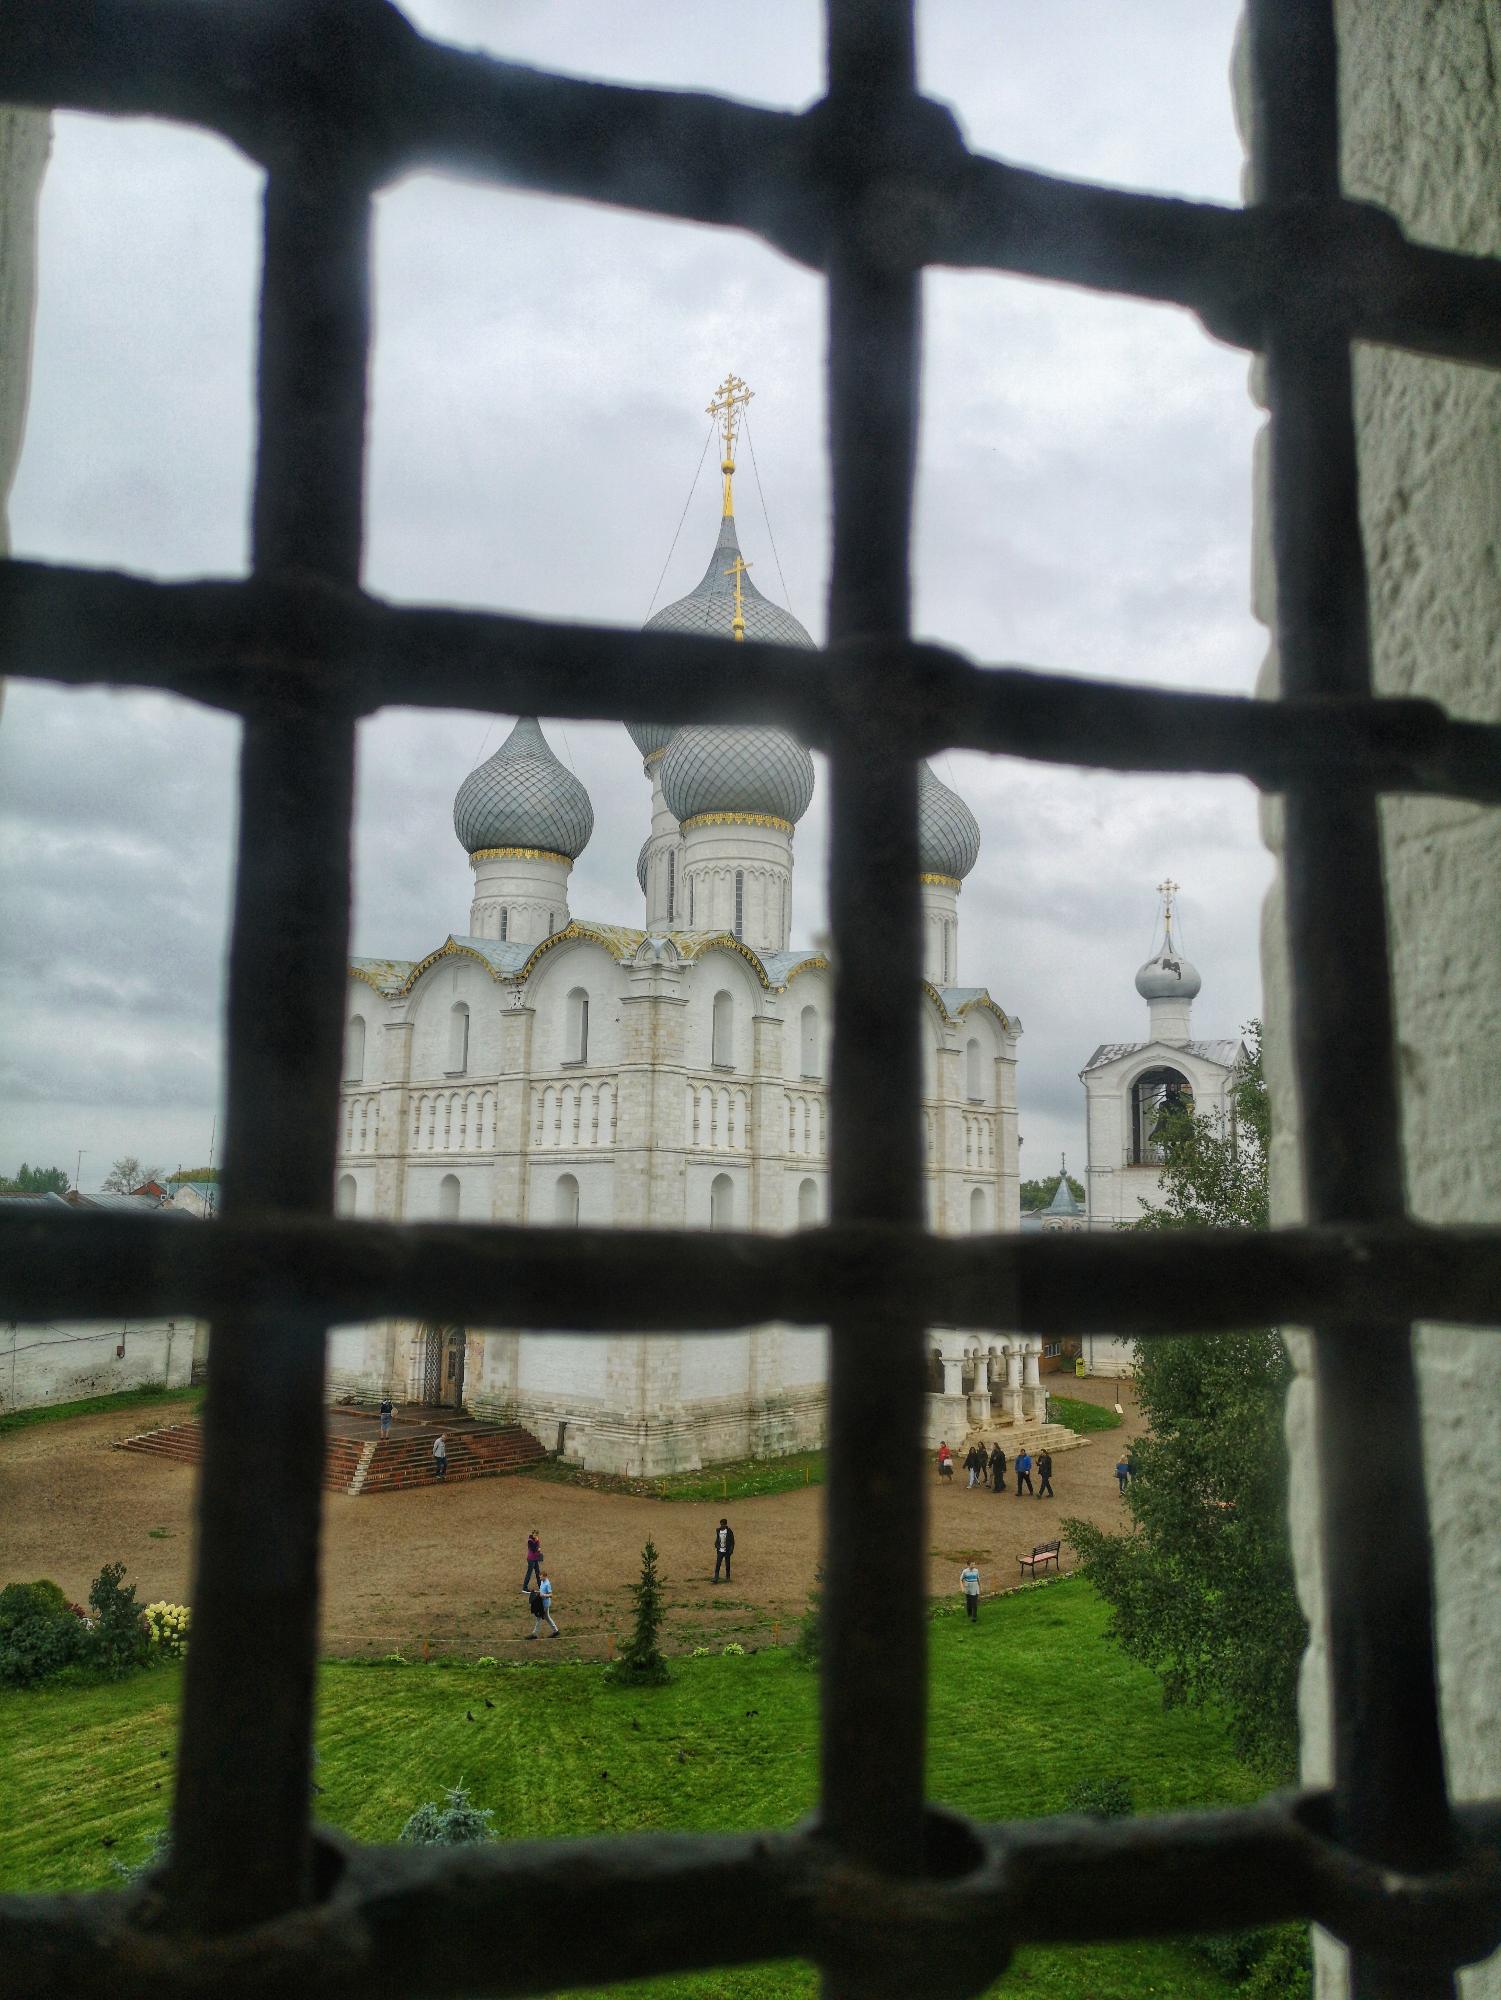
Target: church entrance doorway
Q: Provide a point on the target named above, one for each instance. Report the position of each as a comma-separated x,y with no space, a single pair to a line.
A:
443,1367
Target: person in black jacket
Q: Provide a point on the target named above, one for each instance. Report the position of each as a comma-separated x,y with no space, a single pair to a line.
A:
997,1469
1045,1475
724,1548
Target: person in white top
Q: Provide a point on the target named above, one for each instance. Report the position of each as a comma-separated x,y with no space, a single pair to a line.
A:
969,1583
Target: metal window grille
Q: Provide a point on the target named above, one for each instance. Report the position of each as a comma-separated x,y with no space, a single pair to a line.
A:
334,98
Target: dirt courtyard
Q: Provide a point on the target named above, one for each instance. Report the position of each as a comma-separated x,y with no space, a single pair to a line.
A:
441,1567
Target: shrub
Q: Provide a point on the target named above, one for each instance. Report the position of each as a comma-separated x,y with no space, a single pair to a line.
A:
1264,1964
487,1660
1102,1798
641,1663
119,1637
156,1858
40,1632
455,1824
734,1651
168,1625
809,1641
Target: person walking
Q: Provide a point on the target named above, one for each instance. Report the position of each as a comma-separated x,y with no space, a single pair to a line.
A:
997,1469
972,1462
544,1591
1045,1476
533,1560
1023,1471
945,1461
1122,1474
386,1414
724,1548
440,1453
969,1583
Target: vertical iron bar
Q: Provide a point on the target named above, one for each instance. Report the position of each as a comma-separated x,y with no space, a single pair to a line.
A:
1391,1799
240,1832
875,1666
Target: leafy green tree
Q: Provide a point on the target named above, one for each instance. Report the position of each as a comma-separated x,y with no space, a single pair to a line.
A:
1201,1584
39,1632
127,1174
1037,1194
37,1180
119,1638
641,1663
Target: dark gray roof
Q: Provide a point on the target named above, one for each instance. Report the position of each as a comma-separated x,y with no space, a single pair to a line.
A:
49,1199
710,607
948,834
1063,1202
523,797
1225,1053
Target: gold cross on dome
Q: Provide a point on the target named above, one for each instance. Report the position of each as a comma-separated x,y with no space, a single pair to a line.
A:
737,570
725,406
1167,891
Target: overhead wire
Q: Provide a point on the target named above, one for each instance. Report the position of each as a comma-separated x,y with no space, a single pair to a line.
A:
698,471
766,517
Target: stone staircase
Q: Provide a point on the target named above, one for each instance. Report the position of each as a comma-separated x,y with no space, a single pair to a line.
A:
356,1459
1031,1432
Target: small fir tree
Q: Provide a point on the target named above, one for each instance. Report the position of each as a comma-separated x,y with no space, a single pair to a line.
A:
641,1663
808,1645
454,1824
120,1638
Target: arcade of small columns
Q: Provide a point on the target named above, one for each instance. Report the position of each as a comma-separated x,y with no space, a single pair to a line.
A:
989,1384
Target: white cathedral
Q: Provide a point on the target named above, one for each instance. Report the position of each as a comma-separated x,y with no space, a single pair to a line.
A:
542,1068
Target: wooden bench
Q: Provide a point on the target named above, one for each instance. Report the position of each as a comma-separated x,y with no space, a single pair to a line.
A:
1041,1556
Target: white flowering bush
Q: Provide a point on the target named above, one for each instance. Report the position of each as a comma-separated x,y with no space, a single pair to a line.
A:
168,1624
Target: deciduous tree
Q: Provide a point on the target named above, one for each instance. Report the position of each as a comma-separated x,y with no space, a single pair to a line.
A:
37,1180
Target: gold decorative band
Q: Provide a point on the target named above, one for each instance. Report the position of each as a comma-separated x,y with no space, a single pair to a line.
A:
739,819
520,854
655,756
942,881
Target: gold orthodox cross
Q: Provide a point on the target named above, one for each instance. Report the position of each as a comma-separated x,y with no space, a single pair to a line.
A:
728,400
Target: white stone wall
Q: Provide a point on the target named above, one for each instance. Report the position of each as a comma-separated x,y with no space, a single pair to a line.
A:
1118,1192
1422,132
63,1361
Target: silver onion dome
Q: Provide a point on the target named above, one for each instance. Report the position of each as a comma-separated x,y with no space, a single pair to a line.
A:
1168,976
948,834
710,608
650,736
523,797
641,860
732,767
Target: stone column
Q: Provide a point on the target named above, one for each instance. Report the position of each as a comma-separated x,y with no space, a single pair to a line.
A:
513,1117
950,1214
1031,1380
1014,1382
979,1402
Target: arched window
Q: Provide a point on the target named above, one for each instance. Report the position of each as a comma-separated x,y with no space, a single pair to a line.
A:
811,1056
1157,1099
722,1202
807,1204
505,925
458,1039
974,1086
565,1202
977,1216
672,885
448,1198
346,1195
354,1050
578,1026
722,1045
739,902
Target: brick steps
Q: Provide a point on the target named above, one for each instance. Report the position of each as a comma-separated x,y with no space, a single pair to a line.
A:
380,1465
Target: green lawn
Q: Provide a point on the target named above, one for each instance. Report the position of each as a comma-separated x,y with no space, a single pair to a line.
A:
1024,1705
124,1400
1084,1417
736,1481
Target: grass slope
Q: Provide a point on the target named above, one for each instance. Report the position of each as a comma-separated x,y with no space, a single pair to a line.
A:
1082,1416
123,1400
739,1480
1023,1707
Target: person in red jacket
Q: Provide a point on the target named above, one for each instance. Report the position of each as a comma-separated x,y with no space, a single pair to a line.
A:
533,1560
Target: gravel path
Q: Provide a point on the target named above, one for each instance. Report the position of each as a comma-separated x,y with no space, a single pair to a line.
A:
442,1566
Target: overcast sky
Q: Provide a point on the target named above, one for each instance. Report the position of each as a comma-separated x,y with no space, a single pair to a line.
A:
540,375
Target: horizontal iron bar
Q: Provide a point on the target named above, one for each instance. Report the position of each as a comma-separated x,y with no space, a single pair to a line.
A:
81,1264
256,645
429,1921
361,77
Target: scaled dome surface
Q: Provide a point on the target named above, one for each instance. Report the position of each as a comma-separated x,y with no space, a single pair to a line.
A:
1168,976
948,834
709,608
734,767
523,797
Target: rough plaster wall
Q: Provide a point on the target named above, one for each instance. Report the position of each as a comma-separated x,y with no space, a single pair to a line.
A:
1421,91
24,139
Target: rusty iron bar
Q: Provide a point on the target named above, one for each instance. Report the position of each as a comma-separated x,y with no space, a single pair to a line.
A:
241,1846
408,1923
1391,1803
873,1673
242,646
412,105
86,1265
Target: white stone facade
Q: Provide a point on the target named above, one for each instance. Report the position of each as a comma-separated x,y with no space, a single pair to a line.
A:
1422,136
63,1361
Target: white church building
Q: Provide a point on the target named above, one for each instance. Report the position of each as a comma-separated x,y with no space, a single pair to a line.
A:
1131,1087
540,1067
